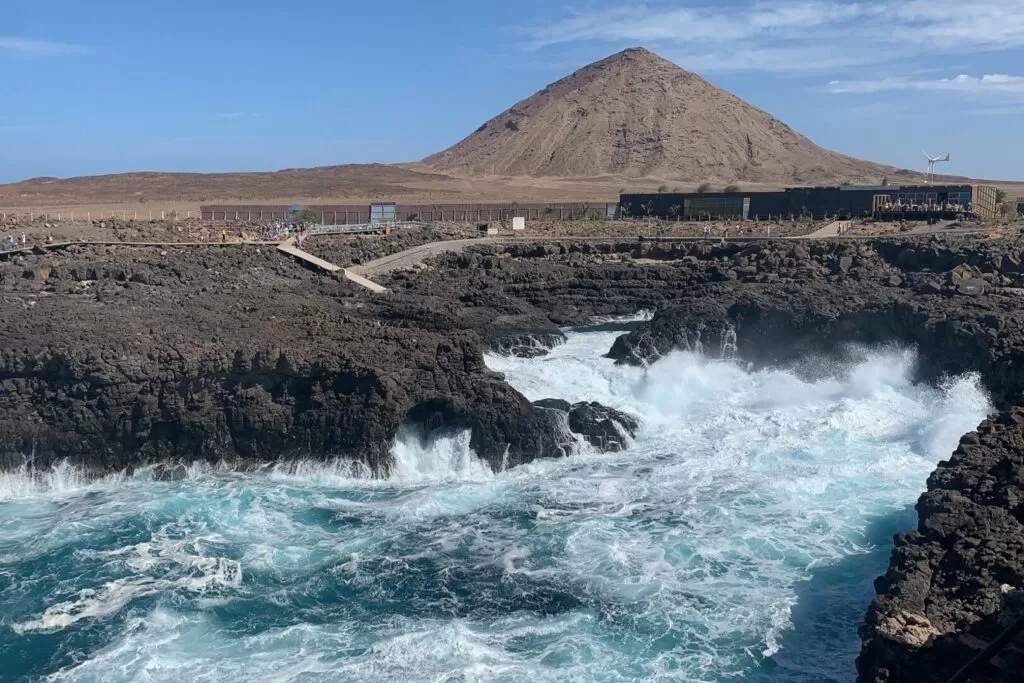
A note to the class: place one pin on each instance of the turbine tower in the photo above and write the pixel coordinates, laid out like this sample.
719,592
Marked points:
931,165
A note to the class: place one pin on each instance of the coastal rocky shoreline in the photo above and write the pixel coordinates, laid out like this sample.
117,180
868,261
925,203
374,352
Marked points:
119,357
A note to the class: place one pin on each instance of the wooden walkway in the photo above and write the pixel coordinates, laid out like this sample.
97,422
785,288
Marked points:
364,282
830,230
414,255
288,247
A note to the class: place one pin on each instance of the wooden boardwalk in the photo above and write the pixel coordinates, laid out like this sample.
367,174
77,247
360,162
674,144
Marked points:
414,255
364,282
288,247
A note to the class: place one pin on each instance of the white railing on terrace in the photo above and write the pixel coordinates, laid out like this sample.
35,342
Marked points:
359,228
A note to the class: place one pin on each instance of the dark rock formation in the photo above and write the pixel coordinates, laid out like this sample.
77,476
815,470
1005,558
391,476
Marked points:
119,357
953,335
957,581
606,429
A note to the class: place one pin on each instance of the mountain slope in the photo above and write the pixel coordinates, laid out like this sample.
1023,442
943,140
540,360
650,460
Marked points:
637,115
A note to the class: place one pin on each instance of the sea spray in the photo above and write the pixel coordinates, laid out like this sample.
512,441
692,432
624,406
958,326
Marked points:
443,455
747,521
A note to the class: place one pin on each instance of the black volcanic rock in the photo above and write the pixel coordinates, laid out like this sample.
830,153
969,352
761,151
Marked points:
957,581
117,357
952,335
604,428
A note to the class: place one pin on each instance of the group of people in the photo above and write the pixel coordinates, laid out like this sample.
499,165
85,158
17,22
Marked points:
12,243
278,230
899,207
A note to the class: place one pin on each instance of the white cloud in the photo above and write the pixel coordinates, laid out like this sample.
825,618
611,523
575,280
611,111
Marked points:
796,35
40,48
988,84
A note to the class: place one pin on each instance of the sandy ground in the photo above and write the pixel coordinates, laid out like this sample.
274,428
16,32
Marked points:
184,197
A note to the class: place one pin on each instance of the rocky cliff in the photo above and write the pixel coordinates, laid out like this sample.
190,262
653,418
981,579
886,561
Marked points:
118,357
957,581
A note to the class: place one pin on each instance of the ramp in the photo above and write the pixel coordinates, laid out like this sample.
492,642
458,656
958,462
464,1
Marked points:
364,282
414,255
830,230
288,247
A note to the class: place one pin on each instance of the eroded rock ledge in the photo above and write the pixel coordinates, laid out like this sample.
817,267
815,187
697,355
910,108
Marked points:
121,356
957,581
953,335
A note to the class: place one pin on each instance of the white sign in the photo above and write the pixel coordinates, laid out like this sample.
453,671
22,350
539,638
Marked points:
519,223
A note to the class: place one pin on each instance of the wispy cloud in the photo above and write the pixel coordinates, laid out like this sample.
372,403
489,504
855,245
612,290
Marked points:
989,84
40,48
795,35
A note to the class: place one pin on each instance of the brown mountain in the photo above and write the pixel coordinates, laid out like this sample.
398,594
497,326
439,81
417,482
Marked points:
635,114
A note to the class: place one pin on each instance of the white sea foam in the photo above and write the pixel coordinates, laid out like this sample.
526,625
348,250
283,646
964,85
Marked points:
195,574
682,558
445,456
63,478
418,458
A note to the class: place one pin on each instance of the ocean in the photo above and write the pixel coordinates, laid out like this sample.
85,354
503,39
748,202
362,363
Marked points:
736,540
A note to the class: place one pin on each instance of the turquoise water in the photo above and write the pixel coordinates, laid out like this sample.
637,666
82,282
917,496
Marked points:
736,540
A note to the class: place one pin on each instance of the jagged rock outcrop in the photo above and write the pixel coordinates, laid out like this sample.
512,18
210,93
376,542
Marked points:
604,428
952,335
116,357
957,581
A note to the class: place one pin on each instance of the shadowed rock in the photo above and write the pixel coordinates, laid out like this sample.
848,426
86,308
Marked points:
606,429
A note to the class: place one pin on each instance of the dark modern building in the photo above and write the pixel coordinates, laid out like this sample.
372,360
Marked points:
886,202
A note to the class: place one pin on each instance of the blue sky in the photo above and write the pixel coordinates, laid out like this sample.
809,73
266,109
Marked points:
223,85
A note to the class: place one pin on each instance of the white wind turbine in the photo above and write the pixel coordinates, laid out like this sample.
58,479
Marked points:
931,165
